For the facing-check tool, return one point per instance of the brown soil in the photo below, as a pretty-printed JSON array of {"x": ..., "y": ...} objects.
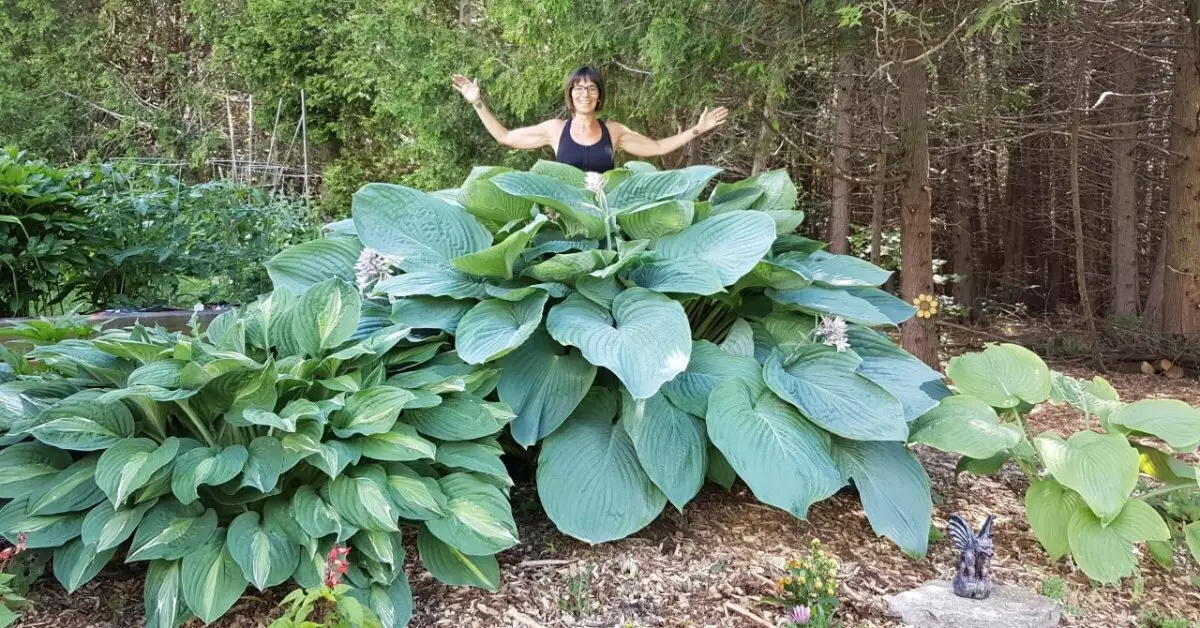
[{"x": 708, "y": 566}]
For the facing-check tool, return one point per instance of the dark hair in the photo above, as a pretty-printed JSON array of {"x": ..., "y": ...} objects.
[{"x": 580, "y": 75}]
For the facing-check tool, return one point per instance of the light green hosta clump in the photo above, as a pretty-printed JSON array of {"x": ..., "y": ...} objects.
[
  {"x": 239, "y": 457},
  {"x": 648, "y": 339},
  {"x": 1081, "y": 500}
]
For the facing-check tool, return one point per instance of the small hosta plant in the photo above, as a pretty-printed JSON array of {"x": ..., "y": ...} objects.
[
  {"x": 1082, "y": 501},
  {"x": 238, "y": 457},
  {"x": 650, "y": 336}
]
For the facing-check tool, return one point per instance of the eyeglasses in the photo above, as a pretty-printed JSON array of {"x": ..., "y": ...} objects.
[{"x": 580, "y": 91}]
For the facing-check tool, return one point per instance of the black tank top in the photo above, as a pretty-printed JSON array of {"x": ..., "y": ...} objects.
[{"x": 596, "y": 157}]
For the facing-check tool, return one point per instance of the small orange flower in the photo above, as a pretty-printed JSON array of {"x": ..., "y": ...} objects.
[{"x": 927, "y": 305}]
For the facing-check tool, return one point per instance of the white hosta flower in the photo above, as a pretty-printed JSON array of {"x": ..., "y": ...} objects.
[
  {"x": 371, "y": 267},
  {"x": 594, "y": 182},
  {"x": 833, "y": 330}
]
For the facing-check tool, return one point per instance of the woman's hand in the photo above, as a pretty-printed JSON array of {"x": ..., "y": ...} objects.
[
  {"x": 710, "y": 120},
  {"x": 468, "y": 88}
]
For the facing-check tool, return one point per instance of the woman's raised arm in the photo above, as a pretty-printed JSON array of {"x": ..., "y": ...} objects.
[
  {"x": 639, "y": 145},
  {"x": 526, "y": 138}
]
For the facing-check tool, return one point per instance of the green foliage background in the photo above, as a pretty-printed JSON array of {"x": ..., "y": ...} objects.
[{"x": 121, "y": 77}]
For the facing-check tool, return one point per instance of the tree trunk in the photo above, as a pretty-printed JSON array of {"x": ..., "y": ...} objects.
[
  {"x": 1181, "y": 281},
  {"x": 963, "y": 263},
  {"x": 1124, "y": 271},
  {"x": 839, "y": 214},
  {"x": 880, "y": 189},
  {"x": 918, "y": 336}
]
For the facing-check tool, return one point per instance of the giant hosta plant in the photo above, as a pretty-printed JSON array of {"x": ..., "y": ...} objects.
[
  {"x": 237, "y": 458},
  {"x": 648, "y": 339}
]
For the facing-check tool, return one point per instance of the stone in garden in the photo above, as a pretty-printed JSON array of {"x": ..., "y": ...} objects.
[{"x": 934, "y": 605}]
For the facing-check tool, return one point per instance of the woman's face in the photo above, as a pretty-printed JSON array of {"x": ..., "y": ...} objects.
[{"x": 585, "y": 95}]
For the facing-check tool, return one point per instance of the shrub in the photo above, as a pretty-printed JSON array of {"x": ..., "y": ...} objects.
[
  {"x": 648, "y": 339},
  {"x": 130, "y": 236},
  {"x": 242, "y": 455},
  {"x": 44, "y": 235},
  {"x": 1081, "y": 500}
]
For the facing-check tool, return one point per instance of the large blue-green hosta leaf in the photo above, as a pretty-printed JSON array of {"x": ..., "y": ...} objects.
[
  {"x": 298, "y": 268},
  {"x": 495, "y": 327},
  {"x": 648, "y": 187},
  {"x": 782, "y": 457},
  {"x": 670, "y": 444},
  {"x": 832, "y": 302},
  {"x": 430, "y": 312},
  {"x": 481, "y": 198},
  {"x": 894, "y": 489},
  {"x": 420, "y": 231},
  {"x": 589, "y": 479},
  {"x": 771, "y": 190},
  {"x": 908, "y": 379},
  {"x": 893, "y": 307},
  {"x": 730, "y": 244},
  {"x": 577, "y": 214},
  {"x": 433, "y": 282},
  {"x": 844, "y": 271},
  {"x": 645, "y": 340},
  {"x": 823, "y": 384},
  {"x": 708, "y": 366},
  {"x": 542, "y": 382}
]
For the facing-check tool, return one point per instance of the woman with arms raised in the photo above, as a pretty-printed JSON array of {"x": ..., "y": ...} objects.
[{"x": 584, "y": 141}]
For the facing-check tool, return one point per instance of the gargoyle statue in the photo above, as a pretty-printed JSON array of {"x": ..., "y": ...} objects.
[{"x": 972, "y": 575}]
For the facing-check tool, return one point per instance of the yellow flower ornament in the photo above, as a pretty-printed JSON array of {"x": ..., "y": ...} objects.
[{"x": 927, "y": 305}]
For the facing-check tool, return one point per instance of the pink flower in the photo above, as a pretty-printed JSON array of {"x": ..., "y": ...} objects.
[
  {"x": 336, "y": 565},
  {"x": 799, "y": 615}
]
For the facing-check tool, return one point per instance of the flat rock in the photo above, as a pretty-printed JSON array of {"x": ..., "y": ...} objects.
[{"x": 934, "y": 605}]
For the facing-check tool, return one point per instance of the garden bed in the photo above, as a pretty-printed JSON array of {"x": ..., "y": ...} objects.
[{"x": 701, "y": 567}]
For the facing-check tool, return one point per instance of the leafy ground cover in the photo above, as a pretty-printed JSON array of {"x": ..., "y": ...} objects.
[{"x": 726, "y": 548}]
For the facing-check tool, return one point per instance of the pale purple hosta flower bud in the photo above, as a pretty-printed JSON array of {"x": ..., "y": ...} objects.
[
  {"x": 594, "y": 182},
  {"x": 799, "y": 615},
  {"x": 833, "y": 330},
  {"x": 371, "y": 267}
]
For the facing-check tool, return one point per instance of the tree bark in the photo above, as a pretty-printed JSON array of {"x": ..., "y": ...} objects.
[
  {"x": 839, "y": 214},
  {"x": 918, "y": 336},
  {"x": 1123, "y": 209},
  {"x": 880, "y": 189},
  {"x": 1181, "y": 280},
  {"x": 963, "y": 262}
]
